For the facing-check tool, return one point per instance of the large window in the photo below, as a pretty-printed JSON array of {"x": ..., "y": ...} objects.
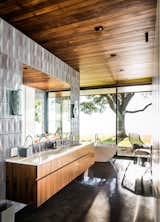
[{"x": 111, "y": 115}]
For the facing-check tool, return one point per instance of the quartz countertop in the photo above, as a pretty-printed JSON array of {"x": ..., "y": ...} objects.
[{"x": 48, "y": 155}]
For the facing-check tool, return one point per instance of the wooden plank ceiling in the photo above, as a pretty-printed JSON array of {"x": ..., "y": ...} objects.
[
  {"x": 118, "y": 54},
  {"x": 40, "y": 80}
]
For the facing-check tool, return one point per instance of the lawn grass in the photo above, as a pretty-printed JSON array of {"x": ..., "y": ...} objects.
[{"x": 112, "y": 140}]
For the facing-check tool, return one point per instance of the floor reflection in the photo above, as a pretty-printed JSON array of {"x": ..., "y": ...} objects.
[
  {"x": 100, "y": 209},
  {"x": 99, "y": 197}
]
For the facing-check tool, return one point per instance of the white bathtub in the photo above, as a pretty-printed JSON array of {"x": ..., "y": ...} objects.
[{"x": 104, "y": 152}]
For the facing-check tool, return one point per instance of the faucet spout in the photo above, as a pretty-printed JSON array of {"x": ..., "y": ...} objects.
[{"x": 25, "y": 142}]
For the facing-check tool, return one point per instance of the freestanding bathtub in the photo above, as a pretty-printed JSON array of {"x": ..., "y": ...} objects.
[{"x": 104, "y": 152}]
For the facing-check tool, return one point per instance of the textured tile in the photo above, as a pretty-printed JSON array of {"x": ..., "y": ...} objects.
[{"x": 17, "y": 49}]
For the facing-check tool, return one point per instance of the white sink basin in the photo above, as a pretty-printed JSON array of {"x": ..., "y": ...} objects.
[
  {"x": 45, "y": 156},
  {"x": 39, "y": 157}
]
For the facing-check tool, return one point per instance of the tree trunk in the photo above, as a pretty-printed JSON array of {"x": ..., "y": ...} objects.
[{"x": 121, "y": 132}]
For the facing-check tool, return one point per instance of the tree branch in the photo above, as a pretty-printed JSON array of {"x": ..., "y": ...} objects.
[
  {"x": 114, "y": 97},
  {"x": 126, "y": 99},
  {"x": 140, "y": 110},
  {"x": 111, "y": 102}
]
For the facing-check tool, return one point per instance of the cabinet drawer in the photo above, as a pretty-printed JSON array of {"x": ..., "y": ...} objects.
[
  {"x": 54, "y": 182},
  {"x": 55, "y": 164},
  {"x": 36, "y": 184}
]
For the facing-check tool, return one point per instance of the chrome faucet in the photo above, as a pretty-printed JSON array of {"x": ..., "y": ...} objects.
[
  {"x": 39, "y": 145},
  {"x": 71, "y": 138},
  {"x": 27, "y": 137},
  {"x": 97, "y": 138}
]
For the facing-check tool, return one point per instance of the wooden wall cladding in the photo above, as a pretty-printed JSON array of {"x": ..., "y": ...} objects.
[
  {"x": 66, "y": 28},
  {"x": 40, "y": 80}
]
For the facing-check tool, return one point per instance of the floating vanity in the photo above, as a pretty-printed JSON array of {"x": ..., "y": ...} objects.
[{"x": 35, "y": 179}]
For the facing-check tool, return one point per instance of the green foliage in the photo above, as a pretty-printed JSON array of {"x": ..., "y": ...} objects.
[
  {"x": 112, "y": 139},
  {"x": 88, "y": 107},
  {"x": 109, "y": 140},
  {"x": 95, "y": 103},
  {"x": 38, "y": 110}
]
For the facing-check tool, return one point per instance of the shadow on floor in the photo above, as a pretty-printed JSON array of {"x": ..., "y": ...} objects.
[{"x": 98, "y": 197}]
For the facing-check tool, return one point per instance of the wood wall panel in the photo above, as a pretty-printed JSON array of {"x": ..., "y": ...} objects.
[{"x": 39, "y": 80}]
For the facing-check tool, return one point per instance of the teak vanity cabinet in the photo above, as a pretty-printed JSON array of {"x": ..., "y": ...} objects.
[{"x": 36, "y": 184}]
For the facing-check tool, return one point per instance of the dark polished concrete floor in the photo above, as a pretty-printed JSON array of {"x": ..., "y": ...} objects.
[{"x": 99, "y": 197}]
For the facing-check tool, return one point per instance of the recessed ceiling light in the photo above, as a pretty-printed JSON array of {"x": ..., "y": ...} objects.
[
  {"x": 113, "y": 54},
  {"x": 99, "y": 28}
]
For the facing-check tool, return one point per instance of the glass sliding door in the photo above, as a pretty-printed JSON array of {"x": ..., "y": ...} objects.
[{"x": 111, "y": 115}]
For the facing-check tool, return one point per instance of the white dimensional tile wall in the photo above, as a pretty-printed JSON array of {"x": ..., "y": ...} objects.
[{"x": 17, "y": 49}]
